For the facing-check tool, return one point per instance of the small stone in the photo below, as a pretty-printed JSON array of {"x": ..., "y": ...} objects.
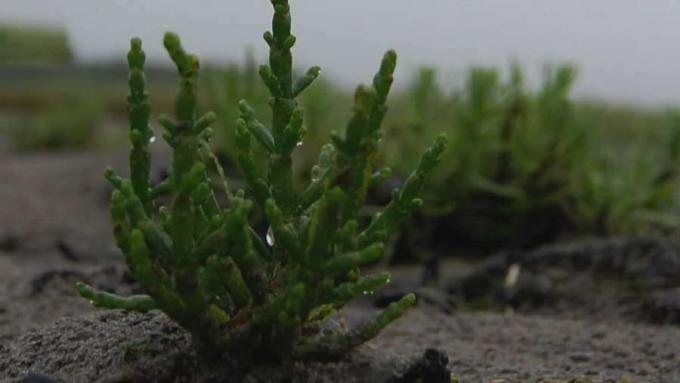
[
  {"x": 9, "y": 243},
  {"x": 432, "y": 367},
  {"x": 579, "y": 358}
]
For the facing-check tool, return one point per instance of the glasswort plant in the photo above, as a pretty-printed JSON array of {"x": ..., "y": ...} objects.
[{"x": 204, "y": 266}]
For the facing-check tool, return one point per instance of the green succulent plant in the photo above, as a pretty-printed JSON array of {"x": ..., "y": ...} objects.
[{"x": 197, "y": 257}]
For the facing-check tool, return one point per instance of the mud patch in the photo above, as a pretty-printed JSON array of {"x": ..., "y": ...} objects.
[
  {"x": 114, "y": 346},
  {"x": 122, "y": 347},
  {"x": 601, "y": 279}
]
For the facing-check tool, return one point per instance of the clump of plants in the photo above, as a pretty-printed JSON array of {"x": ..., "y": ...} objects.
[
  {"x": 517, "y": 152},
  {"x": 512, "y": 153},
  {"x": 627, "y": 178},
  {"x": 68, "y": 124},
  {"x": 528, "y": 166},
  {"x": 197, "y": 257},
  {"x": 30, "y": 45}
]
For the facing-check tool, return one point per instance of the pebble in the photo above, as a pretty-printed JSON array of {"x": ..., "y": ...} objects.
[{"x": 579, "y": 358}]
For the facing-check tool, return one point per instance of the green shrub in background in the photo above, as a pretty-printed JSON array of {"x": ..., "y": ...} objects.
[
  {"x": 30, "y": 45},
  {"x": 420, "y": 110},
  {"x": 226, "y": 87},
  {"x": 526, "y": 166},
  {"x": 512, "y": 152},
  {"x": 236, "y": 291},
  {"x": 626, "y": 179},
  {"x": 69, "y": 124}
]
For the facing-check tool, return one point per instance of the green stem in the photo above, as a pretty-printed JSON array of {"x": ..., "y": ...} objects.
[{"x": 140, "y": 303}]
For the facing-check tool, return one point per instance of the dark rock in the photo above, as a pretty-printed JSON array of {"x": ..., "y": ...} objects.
[
  {"x": 436, "y": 298},
  {"x": 432, "y": 367},
  {"x": 663, "y": 307},
  {"x": 530, "y": 289},
  {"x": 579, "y": 358},
  {"x": 647, "y": 261},
  {"x": 68, "y": 251},
  {"x": 576, "y": 277},
  {"x": 40, "y": 281},
  {"x": 9, "y": 243},
  {"x": 481, "y": 281},
  {"x": 38, "y": 378}
]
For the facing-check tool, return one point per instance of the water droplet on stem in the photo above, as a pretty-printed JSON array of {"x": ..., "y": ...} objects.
[{"x": 270, "y": 237}]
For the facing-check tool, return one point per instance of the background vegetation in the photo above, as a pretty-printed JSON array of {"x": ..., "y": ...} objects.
[
  {"x": 526, "y": 164},
  {"x": 31, "y": 46}
]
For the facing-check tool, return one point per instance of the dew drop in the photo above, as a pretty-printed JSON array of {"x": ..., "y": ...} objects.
[
  {"x": 152, "y": 139},
  {"x": 270, "y": 237}
]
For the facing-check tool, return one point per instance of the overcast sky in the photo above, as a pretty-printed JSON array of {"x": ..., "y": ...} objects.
[{"x": 626, "y": 50}]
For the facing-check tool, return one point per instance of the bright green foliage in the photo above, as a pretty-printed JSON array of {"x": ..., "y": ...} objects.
[
  {"x": 23, "y": 44},
  {"x": 526, "y": 165},
  {"x": 201, "y": 262},
  {"x": 325, "y": 106}
]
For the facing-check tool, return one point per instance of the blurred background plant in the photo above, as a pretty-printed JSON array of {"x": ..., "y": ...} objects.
[
  {"x": 526, "y": 167},
  {"x": 626, "y": 180},
  {"x": 512, "y": 152},
  {"x": 31, "y": 46},
  {"x": 70, "y": 123}
]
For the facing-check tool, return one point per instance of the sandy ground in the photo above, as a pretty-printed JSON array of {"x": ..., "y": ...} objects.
[{"x": 581, "y": 321}]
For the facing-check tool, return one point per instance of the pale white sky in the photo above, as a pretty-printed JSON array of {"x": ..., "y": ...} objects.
[{"x": 627, "y": 50}]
